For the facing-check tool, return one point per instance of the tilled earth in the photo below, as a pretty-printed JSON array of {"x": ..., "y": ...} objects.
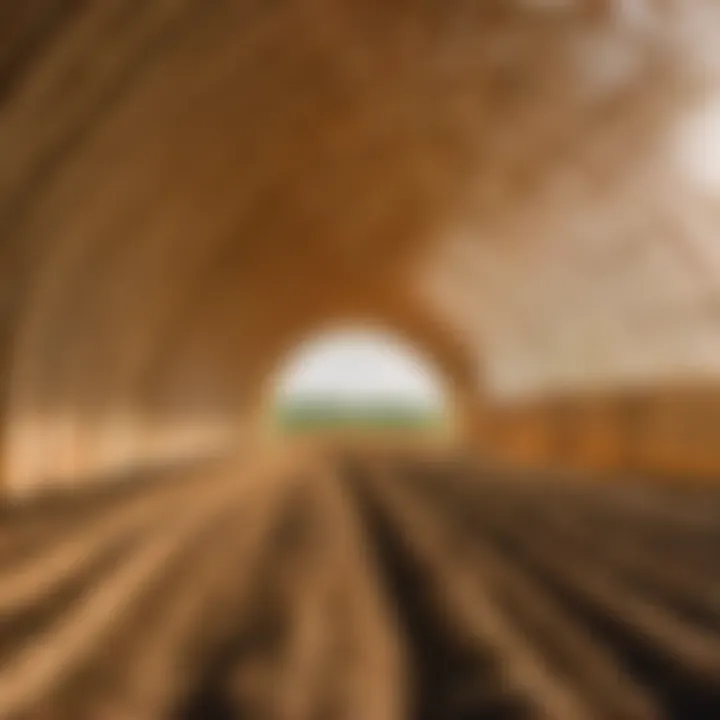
[{"x": 357, "y": 584}]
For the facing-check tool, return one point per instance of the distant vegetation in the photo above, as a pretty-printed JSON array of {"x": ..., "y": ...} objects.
[{"x": 309, "y": 415}]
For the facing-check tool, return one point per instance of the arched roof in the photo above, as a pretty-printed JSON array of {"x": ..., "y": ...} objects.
[{"x": 186, "y": 185}]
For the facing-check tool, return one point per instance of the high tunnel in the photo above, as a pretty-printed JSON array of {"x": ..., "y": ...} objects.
[
  {"x": 526, "y": 192},
  {"x": 189, "y": 189}
]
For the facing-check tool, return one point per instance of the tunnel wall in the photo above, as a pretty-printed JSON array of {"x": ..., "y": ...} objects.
[{"x": 658, "y": 431}]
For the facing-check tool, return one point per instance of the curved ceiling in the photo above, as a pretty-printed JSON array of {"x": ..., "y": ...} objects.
[{"x": 188, "y": 186}]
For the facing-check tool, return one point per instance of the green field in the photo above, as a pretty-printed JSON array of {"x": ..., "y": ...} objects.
[{"x": 324, "y": 415}]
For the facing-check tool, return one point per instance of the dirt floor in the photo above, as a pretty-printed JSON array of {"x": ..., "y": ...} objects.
[{"x": 341, "y": 582}]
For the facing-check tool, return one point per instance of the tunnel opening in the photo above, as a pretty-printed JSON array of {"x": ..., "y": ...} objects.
[{"x": 360, "y": 381}]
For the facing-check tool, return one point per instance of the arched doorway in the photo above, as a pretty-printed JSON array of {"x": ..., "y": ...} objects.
[{"x": 360, "y": 379}]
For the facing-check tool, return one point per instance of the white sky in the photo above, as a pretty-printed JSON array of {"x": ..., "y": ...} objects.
[{"x": 358, "y": 365}]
